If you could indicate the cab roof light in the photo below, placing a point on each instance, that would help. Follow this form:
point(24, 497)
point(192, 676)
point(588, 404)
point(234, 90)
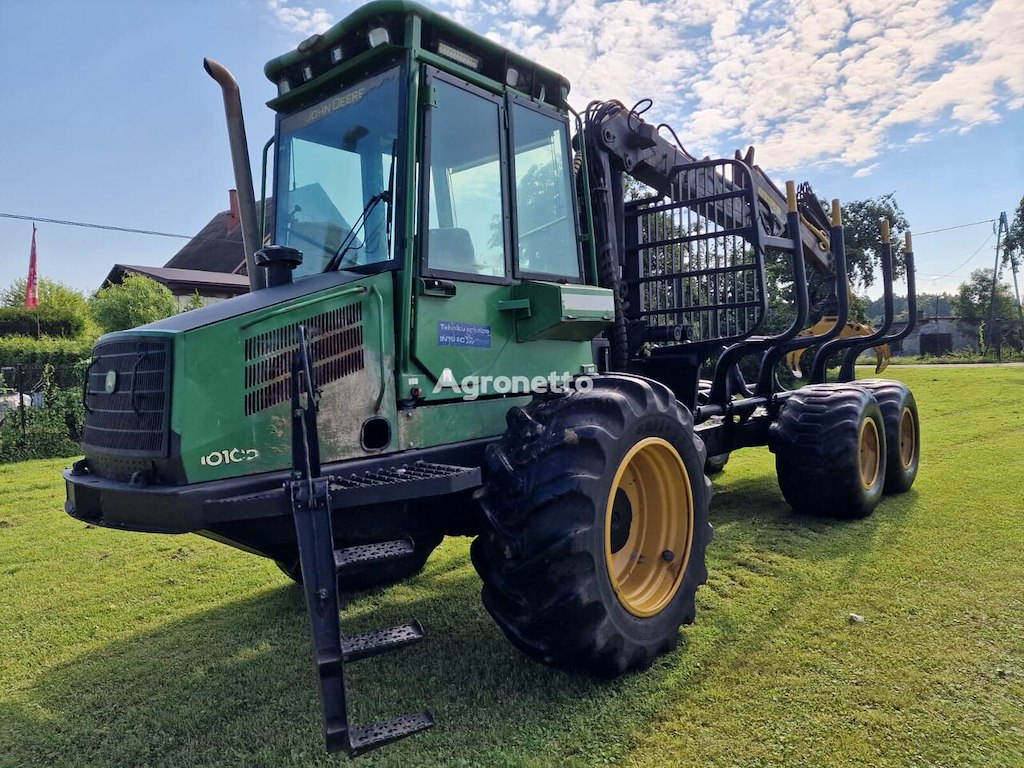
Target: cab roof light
point(283, 86)
point(337, 54)
point(459, 56)
point(378, 36)
point(307, 72)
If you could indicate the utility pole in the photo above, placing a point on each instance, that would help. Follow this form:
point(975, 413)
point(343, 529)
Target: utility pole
point(995, 274)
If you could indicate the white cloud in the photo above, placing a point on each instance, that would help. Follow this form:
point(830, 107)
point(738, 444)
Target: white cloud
point(527, 7)
point(808, 81)
point(298, 20)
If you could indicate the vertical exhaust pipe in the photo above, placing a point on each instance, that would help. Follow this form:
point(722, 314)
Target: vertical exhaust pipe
point(243, 172)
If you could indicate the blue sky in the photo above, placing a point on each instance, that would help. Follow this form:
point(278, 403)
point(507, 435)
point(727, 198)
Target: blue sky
point(108, 117)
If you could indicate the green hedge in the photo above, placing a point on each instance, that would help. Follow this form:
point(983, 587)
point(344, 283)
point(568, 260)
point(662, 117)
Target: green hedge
point(68, 357)
point(60, 353)
point(46, 320)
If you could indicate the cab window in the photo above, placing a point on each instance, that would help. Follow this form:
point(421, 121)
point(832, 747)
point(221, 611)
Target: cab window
point(466, 232)
point(545, 218)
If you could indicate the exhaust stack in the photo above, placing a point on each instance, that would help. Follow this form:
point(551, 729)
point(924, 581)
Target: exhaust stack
point(243, 173)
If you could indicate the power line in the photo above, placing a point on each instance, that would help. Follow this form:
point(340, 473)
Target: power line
point(131, 230)
point(965, 260)
point(958, 226)
point(110, 227)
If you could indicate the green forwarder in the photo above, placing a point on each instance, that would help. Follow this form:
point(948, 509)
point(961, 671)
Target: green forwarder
point(461, 328)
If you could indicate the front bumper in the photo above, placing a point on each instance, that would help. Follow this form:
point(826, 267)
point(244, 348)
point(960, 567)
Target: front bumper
point(173, 509)
point(189, 508)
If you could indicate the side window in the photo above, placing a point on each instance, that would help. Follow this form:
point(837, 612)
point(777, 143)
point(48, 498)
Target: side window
point(545, 221)
point(466, 230)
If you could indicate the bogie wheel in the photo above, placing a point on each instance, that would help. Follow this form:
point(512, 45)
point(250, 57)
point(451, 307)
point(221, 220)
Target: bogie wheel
point(595, 507)
point(378, 575)
point(715, 464)
point(830, 455)
point(902, 432)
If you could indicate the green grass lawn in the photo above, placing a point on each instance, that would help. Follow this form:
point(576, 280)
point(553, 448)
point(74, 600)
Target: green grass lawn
point(127, 649)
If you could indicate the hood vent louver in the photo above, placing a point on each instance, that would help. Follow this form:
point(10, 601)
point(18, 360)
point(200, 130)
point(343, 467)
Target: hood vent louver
point(336, 338)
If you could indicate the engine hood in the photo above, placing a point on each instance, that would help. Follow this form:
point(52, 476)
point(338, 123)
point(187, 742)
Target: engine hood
point(250, 302)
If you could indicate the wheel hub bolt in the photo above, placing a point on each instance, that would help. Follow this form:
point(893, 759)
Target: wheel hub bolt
point(668, 556)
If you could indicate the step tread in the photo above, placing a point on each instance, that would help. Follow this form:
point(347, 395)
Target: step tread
point(378, 641)
point(367, 554)
point(407, 473)
point(363, 738)
point(400, 483)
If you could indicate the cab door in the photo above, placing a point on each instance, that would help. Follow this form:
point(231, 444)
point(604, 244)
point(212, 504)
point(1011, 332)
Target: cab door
point(497, 247)
point(463, 321)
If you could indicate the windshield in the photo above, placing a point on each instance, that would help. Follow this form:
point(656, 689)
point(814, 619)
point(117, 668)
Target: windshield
point(335, 164)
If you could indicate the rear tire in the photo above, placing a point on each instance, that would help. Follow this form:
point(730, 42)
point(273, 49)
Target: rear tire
point(595, 528)
point(902, 432)
point(829, 445)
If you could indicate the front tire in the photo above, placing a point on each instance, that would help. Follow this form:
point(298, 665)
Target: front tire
point(595, 529)
point(830, 456)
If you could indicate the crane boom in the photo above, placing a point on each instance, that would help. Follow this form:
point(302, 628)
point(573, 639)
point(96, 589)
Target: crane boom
point(652, 160)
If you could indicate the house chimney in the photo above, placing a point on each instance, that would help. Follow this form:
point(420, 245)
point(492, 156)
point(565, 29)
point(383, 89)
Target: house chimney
point(234, 220)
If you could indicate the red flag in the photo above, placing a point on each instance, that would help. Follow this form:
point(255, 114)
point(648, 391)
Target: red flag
point(32, 288)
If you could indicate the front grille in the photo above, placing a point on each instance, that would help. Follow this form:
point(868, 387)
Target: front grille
point(131, 418)
point(336, 341)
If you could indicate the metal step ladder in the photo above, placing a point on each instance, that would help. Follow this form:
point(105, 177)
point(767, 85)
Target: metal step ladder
point(322, 566)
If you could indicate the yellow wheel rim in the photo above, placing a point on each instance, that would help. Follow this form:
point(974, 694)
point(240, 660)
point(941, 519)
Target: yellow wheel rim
point(648, 527)
point(908, 440)
point(870, 453)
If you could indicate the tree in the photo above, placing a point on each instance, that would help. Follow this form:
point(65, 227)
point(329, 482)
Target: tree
point(935, 304)
point(1013, 245)
point(861, 232)
point(135, 301)
point(1013, 252)
point(973, 297)
point(932, 304)
point(51, 293)
point(56, 301)
point(195, 301)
